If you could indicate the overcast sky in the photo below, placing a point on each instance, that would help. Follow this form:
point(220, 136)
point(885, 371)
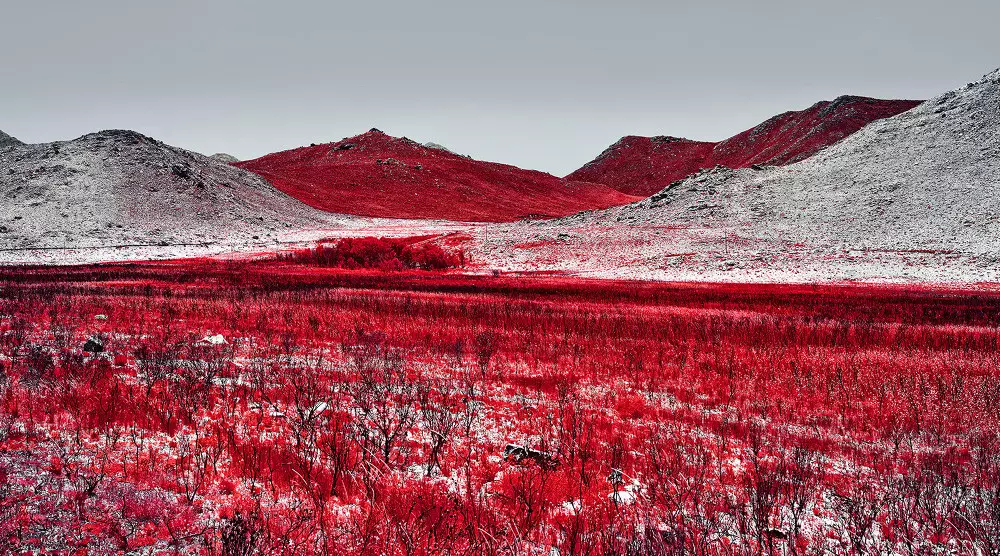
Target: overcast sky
point(540, 84)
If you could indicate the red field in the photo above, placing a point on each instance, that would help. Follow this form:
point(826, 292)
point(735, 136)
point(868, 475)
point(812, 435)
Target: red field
point(374, 174)
point(275, 408)
point(645, 165)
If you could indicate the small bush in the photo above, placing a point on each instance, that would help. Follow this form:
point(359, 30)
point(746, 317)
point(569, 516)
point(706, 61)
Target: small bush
point(389, 254)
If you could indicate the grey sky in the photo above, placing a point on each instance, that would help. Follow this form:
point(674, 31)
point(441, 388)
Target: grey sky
point(539, 84)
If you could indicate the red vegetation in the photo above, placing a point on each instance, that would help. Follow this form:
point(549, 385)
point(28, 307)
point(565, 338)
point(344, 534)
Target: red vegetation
point(374, 174)
point(645, 165)
point(277, 408)
point(389, 254)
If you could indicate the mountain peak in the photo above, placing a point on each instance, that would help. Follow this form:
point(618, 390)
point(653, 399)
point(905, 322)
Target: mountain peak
point(6, 140)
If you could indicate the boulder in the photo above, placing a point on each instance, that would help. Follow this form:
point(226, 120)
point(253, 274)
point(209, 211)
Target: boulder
point(94, 344)
point(224, 158)
point(182, 170)
point(216, 340)
point(522, 454)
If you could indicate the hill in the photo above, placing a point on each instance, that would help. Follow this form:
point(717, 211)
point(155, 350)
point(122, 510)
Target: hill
point(374, 174)
point(644, 165)
point(120, 188)
point(912, 197)
point(8, 141)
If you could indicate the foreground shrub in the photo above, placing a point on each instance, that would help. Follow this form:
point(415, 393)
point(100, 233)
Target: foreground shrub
point(390, 254)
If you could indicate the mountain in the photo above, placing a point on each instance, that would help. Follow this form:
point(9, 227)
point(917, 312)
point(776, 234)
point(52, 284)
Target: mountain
point(374, 174)
point(121, 188)
point(913, 196)
point(644, 165)
point(8, 141)
point(225, 158)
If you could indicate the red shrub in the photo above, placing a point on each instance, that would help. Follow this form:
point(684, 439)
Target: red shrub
point(387, 254)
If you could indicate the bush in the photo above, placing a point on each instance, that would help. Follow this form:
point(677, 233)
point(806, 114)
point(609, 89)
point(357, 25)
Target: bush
point(389, 254)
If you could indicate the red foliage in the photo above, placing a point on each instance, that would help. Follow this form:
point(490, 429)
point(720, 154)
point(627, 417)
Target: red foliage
point(365, 412)
point(645, 165)
point(374, 174)
point(388, 254)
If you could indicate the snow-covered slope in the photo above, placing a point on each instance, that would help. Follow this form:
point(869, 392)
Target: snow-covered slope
point(912, 196)
point(121, 190)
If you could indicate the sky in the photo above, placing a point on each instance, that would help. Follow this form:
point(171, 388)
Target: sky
point(539, 84)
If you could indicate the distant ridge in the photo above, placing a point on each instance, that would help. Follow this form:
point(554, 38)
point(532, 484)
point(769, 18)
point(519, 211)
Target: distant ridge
point(643, 165)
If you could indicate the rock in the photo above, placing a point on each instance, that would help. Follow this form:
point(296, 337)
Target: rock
point(216, 340)
point(775, 534)
point(521, 454)
point(344, 147)
point(224, 158)
point(94, 344)
point(182, 170)
point(100, 317)
point(437, 147)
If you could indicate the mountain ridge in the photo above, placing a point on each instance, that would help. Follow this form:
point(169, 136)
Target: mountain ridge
point(641, 166)
point(912, 197)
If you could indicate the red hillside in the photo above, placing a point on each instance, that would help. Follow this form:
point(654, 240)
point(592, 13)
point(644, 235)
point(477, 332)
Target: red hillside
point(375, 174)
point(644, 165)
